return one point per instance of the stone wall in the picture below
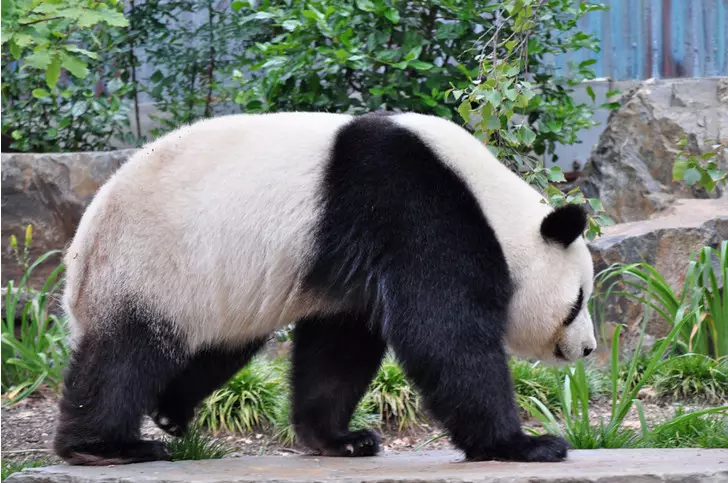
(50, 192)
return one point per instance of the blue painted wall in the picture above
(658, 38)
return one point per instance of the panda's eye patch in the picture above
(575, 309)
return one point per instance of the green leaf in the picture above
(74, 65)
(716, 174)
(493, 97)
(238, 5)
(87, 53)
(679, 168)
(511, 94)
(15, 50)
(420, 65)
(392, 15)
(604, 220)
(53, 73)
(40, 93)
(590, 91)
(291, 25)
(23, 40)
(691, 176)
(596, 204)
(115, 18)
(555, 174)
(464, 110)
(157, 76)
(89, 18)
(526, 135)
(414, 53)
(365, 5)
(39, 59)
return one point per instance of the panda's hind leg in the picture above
(334, 360)
(114, 375)
(206, 371)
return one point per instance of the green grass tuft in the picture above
(708, 431)
(10, 467)
(393, 398)
(247, 402)
(35, 350)
(692, 377)
(196, 444)
(285, 433)
(535, 380)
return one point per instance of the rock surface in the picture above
(665, 242)
(604, 465)
(50, 192)
(630, 169)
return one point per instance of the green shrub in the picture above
(34, 353)
(701, 170)
(341, 56)
(393, 398)
(247, 402)
(196, 444)
(194, 62)
(64, 86)
(692, 376)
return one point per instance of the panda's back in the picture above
(210, 225)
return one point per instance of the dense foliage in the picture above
(63, 75)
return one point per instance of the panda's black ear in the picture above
(564, 225)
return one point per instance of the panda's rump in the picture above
(214, 235)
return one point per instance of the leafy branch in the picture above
(521, 109)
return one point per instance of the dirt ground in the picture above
(27, 431)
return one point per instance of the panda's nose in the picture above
(587, 351)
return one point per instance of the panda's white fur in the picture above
(223, 213)
(258, 177)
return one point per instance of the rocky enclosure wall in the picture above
(630, 168)
(50, 192)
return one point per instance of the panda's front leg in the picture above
(452, 349)
(334, 360)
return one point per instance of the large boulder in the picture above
(630, 169)
(50, 192)
(667, 243)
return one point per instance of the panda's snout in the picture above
(560, 354)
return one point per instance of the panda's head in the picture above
(548, 317)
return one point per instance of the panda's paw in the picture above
(174, 426)
(355, 443)
(546, 448)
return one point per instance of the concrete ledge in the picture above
(603, 466)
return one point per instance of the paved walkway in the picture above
(603, 466)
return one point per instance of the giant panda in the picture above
(397, 231)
